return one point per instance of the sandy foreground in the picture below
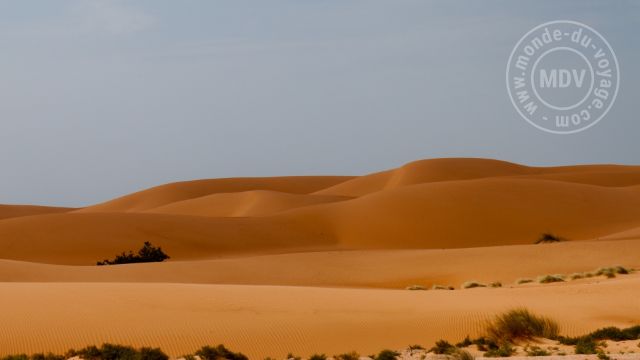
(269, 266)
(273, 320)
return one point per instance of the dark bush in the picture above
(520, 324)
(586, 345)
(318, 357)
(148, 253)
(219, 353)
(387, 355)
(443, 347)
(505, 350)
(546, 238)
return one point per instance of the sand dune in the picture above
(246, 203)
(12, 211)
(170, 193)
(319, 264)
(452, 214)
(392, 269)
(272, 321)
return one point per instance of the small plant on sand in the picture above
(460, 354)
(472, 284)
(547, 238)
(603, 356)
(415, 287)
(347, 356)
(612, 271)
(536, 351)
(290, 356)
(586, 345)
(318, 357)
(547, 279)
(443, 347)
(577, 276)
(442, 287)
(464, 343)
(521, 324)
(386, 355)
(219, 353)
(148, 253)
(495, 284)
(524, 281)
(415, 347)
(505, 350)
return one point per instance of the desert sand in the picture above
(269, 266)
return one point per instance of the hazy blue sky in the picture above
(101, 98)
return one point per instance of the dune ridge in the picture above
(320, 264)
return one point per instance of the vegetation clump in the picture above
(219, 353)
(547, 279)
(547, 238)
(536, 351)
(415, 287)
(347, 356)
(472, 284)
(148, 253)
(443, 347)
(505, 350)
(524, 281)
(520, 324)
(495, 284)
(386, 355)
(442, 287)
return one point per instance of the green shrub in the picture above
(148, 253)
(443, 347)
(536, 351)
(219, 353)
(586, 345)
(464, 343)
(505, 350)
(347, 356)
(551, 279)
(524, 281)
(520, 324)
(472, 284)
(386, 355)
(460, 354)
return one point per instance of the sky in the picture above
(99, 98)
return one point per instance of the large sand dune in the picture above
(305, 264)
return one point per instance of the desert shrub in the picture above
(387, 355)
(415, 347)
(16, 357)
(472, 284)
(603, 356)
(547, 238)
(219, 353)
(464, 343)
(520, 324)
(443, 347)
(495, 284)
(524, 281)
(546, 279)
(290, 356)
(148, 253)
(577, 276)
(415, 287)
(505, 350)
(146, 353)
(318, 357)
(460, 354)
(442, 287)
(48, 356)
(586, 345)
(536, 351)
(348, 356)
